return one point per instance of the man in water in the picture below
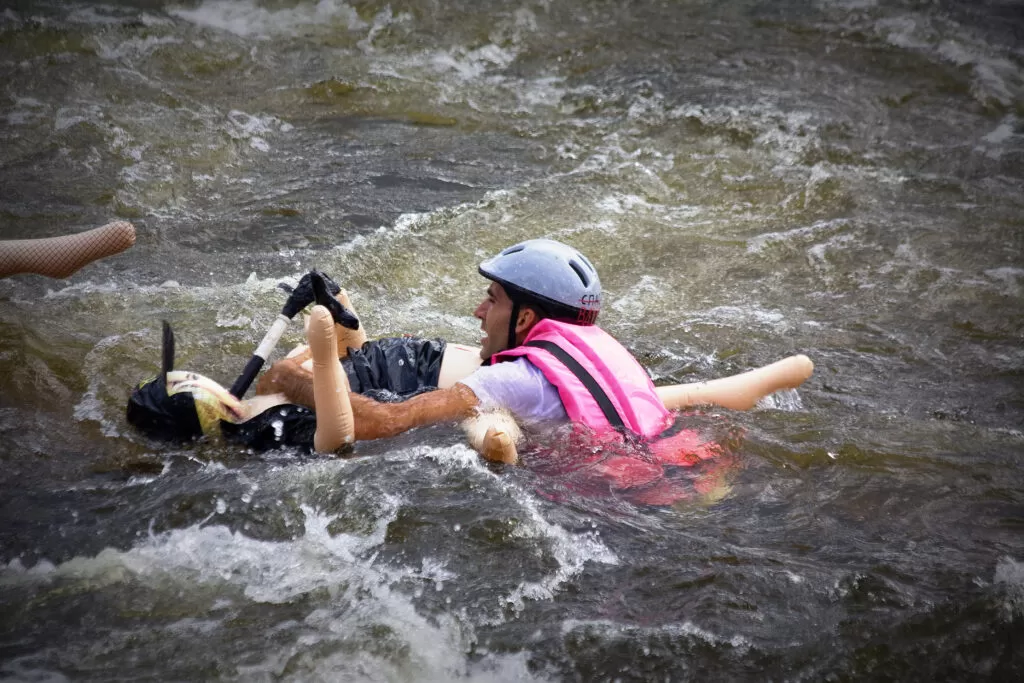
(543, 357)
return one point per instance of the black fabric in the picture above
(603, 402)
(170, 418)
(324, 297)
(394, 368)
(304, 293)
(283, 425)
(153, 412)
(388, 370)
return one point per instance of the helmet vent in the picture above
(579, 271)
(513, 249)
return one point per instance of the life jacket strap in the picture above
(603, 402)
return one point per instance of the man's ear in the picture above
(526, 320)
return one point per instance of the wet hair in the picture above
(157, 415)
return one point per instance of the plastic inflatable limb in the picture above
(736, 392)
(742, 391)
(499, 447)
(458, 361)
(494, 435)
(335, 426)
(59, 257)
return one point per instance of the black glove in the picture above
(322, 296)
(303, 295)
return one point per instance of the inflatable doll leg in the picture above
(334, 422)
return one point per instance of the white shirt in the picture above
(520, 387)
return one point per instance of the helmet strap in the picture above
(512, 322)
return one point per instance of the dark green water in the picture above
(752, 180)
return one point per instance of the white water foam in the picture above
(247, 19)
(98, 16)
(757, 243)
(476, 65)
(1008, 277)
(484, 63)
(253, 128)
(619, 203)
(361, 593)
(745, 317)
(92, 407)
(1010, 573)
(817, 254)
(1003, 132)
(472, 76)
(69, 116)
(995, 76)
(442, 301)
(571, 551)
(134, 48)
(546, 91)
(787, 134)
(998, 141)
(27, 110)
(787, 400)
(26, 670)
(649, 291)
(251, 286)
(846, 4)
(614, 631)
(358, 598)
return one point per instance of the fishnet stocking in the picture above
(59, 257)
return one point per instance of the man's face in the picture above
(494, 312)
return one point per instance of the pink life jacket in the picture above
(615, 398)
(620, 395)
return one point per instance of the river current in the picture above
(840, 178)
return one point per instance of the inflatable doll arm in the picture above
(742, 391)
(334, 421)
(494, 435)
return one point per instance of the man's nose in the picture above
(481, 310)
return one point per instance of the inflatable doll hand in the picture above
(304, 294)
(324, 297)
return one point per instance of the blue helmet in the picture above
(549, 275)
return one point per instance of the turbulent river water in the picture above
(841, 178)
